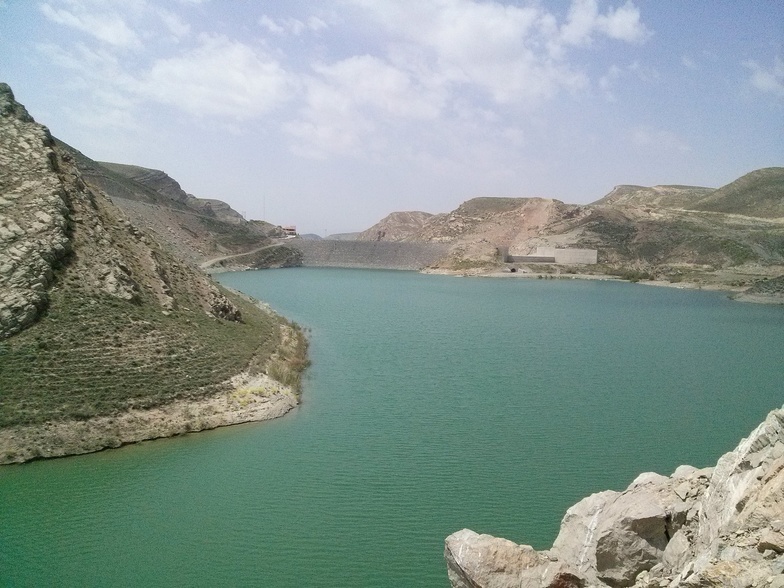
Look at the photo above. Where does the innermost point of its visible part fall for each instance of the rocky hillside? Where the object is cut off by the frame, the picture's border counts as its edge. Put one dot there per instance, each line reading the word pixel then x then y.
pixel 659 196
pixel 758 194
pixel 162 184
pixel 721 526
pixel 97 317
pixel 726 237
pixel 398 226
pixel 195 229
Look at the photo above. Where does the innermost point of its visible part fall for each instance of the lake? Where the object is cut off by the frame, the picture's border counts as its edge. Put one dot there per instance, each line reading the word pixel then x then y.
pixel 433 403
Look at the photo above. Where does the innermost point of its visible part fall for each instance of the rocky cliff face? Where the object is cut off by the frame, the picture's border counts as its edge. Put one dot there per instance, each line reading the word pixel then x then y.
pixel 34 231
pixel 721 526
pixel 50 216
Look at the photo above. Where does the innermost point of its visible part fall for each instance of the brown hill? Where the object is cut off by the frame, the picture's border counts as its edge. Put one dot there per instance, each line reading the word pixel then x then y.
pixel 195 229
pixel 646 231
pixel 759 193
pixel 398 226
pixel 504 221
pixel 166 186
pixel 660 196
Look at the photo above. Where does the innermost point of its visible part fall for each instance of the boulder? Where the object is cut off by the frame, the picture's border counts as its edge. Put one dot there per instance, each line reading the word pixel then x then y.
pixel 721 526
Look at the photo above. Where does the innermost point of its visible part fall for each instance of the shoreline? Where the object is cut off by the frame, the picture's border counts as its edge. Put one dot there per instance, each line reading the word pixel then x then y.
pixel 245 397
pixel 251 399
pixel 737 293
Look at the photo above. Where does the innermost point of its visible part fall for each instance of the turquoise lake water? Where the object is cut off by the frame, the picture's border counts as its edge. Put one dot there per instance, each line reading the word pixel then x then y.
pixel 434 403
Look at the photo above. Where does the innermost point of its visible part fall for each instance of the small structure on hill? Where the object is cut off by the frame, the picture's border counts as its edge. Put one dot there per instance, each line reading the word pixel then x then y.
pixel 290 231
pixel 561 256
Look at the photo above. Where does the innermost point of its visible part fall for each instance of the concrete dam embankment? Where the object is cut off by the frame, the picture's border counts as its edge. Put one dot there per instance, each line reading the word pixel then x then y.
pixel 368 254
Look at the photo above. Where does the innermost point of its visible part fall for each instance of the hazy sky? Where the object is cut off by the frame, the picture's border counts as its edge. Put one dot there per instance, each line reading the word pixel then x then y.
pixel 331 114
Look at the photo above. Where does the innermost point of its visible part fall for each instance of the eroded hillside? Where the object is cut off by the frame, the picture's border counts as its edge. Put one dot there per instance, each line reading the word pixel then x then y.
pixel 398 226
pixel 98 318
pixel 732 236
pixel 195 229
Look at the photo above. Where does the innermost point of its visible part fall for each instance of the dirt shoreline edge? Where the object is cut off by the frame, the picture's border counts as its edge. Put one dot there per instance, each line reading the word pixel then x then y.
pixel 253 399
pixel 737 293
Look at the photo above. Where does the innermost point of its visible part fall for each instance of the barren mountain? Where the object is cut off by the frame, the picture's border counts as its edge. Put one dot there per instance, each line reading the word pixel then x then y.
pixel 673 232
pixel 398 226
pixel 195 229
pixel 659 196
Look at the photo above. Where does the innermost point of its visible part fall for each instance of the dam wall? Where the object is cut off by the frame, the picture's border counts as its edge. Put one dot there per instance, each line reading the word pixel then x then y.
pixel 368 254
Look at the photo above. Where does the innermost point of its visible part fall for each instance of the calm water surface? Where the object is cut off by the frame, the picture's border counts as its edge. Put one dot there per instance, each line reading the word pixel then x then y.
pixel 433 404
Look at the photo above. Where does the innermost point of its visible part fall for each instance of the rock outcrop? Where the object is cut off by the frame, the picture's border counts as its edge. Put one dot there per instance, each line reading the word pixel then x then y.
pixel 767 291
pixel 721 526
pixel 34 229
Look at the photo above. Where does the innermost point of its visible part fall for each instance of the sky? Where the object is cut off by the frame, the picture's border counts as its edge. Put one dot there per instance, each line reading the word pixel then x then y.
pixel 331 114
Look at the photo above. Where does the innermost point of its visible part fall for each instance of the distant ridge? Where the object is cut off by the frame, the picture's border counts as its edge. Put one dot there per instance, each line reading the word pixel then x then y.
pixel 759 193
pixel 197 229
pixel 670 196
pixel 342 237
pixel 153 178
pixel 398 226
pixel 730 236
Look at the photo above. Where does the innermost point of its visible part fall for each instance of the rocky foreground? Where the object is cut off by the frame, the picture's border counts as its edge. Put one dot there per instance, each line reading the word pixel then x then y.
pixel 699 528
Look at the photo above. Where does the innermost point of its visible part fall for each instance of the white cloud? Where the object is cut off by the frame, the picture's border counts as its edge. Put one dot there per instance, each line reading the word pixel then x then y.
pixel 687 61
pixel 768 80
pixel 369 81
pixel 176 26
pixel 462 61
pixel 623 24
pixel 98 62
pixel 467 64
pixel 584 22
pixel 219 77
pixel 269 24
pixel 291 26
pixel 314 23
pixel 658 140
pixel 615 74
pixel 643 72
pixel 347 102
pixel 516 54
pixel 608 80
pixel 108 27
